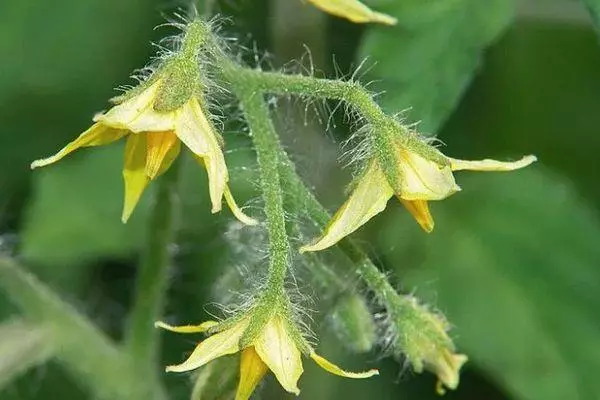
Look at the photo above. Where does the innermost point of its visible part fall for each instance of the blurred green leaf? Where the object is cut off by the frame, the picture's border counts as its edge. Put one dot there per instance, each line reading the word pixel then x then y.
pixel 513 262
pixel 22 346
pixel 75 215
pixel 426 61
pixel 594 7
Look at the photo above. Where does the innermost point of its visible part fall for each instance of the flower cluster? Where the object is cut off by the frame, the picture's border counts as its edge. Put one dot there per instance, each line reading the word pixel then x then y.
pixel 170 108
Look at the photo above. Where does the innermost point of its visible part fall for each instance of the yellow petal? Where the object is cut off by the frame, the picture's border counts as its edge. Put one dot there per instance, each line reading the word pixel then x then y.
pixel 137 114
pixel 424 179
pixel 334 369
pixel 219 344
pixel 490 165
pixel 163 148
pixel 197 133
pixel 368 198
pixel 236 210
pixel 252 370
pixel 420 210
pixel 134 173
pixel 446 365
pixel 203 327
pixel 277 349
pixel 96 135
pixel 353 10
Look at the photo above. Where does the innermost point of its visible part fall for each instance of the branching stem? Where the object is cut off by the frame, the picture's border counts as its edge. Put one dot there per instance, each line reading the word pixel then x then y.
pixel 250 86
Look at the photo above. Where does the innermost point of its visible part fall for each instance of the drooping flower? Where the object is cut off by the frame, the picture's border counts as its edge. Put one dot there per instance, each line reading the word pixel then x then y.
pixel 274 347
pixel 420 336
pixel 419 180
pixel 153 142
pixel 353 10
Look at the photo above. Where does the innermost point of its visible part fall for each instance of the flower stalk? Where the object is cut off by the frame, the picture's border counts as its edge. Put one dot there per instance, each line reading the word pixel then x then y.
pixel 267 147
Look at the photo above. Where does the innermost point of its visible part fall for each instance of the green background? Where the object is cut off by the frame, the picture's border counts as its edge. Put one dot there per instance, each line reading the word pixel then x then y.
pixel 514 261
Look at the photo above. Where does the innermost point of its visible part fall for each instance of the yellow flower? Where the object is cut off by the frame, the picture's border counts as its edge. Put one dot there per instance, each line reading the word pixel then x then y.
pixel 420 180
pixel 353 10
pixel 153 142
pixel 273 349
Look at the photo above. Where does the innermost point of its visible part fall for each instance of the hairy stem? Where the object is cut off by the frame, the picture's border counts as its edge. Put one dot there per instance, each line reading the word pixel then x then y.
pixel 141 339
pixel 303 199
pixel 79 346
pixel 267 147
pixel 254 84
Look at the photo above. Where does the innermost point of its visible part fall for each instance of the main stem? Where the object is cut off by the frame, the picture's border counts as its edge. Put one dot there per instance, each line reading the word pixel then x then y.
pixel 142 340
pixel 255 84
pixel 267 147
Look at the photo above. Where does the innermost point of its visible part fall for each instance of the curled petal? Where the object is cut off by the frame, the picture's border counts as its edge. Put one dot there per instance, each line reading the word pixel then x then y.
pixel 134 173
pixel 368 198
pixel 490 165
pixel 203 327
pixel 96 135
pixel 353 10
pixel 277 349
pixel 334 369
pixel 446 365
pixel 219 344
pixel 423 179
pixel 420 210
pixel 197 133
pixel 163 149
pixel 137 114
pixel 252 370
pixel 243 218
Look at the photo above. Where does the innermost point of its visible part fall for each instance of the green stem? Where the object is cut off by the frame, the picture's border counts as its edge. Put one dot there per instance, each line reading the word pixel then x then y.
pixel 141 339
pixel 385 129
pixel 303 199
pixel 79 346
pixel 267 147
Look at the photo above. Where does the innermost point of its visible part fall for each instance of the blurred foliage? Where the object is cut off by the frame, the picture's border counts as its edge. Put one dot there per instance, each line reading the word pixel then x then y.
pixel 513 261
pixel 437 46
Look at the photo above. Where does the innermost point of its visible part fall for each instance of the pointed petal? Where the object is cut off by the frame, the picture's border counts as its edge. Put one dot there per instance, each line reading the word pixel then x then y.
pixel 252 370
pixel 163 148
pixel 366 200
pixel 420 210
pixel 203 327
pixel 134 173
pixel 277 349
pixel 334 369
pixel 137 114
pixel 197 133
pixel 424 179
pixel 490 165
pixel 96 135
pixel 219 344
pixel 353 10
pixel 236 210
pixel 447 367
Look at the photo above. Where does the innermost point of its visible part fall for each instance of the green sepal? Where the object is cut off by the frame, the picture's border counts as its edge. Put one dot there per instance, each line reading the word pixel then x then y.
pixel 180 80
